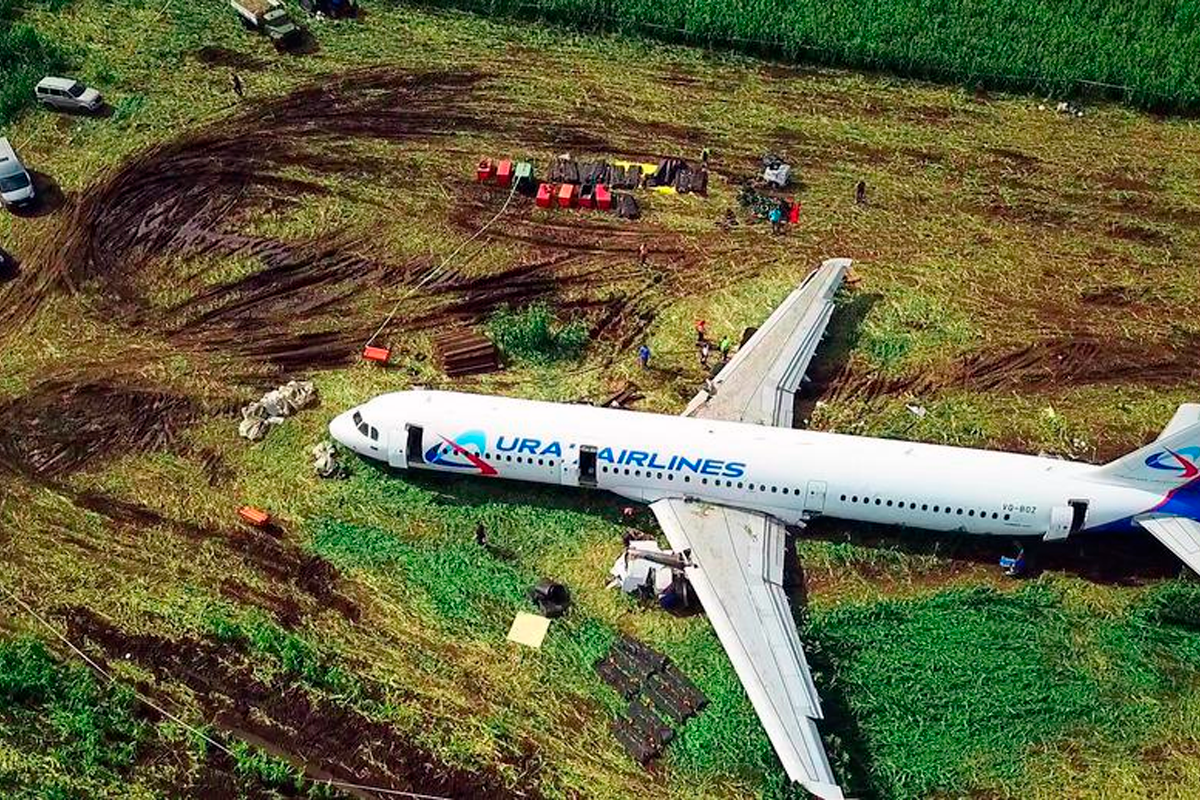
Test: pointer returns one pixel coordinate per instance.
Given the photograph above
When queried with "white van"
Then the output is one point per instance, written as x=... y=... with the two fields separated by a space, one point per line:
x=16 y=187
x=67 y=94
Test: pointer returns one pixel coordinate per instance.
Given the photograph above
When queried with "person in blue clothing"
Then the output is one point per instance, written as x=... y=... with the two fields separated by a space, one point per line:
x=776 y=218
x=644 y=356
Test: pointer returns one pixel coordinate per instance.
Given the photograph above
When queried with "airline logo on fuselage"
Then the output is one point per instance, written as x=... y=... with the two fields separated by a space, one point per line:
x=466 y=452
x=1182 y=461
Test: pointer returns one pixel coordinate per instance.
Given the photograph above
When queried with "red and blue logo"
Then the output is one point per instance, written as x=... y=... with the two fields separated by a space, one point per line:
x=1182 y=461
x=465 y=452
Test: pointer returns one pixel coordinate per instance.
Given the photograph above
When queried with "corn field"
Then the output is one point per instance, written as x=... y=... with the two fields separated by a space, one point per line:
x=1144 y=52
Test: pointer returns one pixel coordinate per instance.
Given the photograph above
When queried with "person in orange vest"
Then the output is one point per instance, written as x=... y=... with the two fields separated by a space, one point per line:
x=701 y=331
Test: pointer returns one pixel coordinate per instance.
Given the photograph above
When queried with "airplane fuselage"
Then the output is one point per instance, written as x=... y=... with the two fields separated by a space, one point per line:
x=791 y=474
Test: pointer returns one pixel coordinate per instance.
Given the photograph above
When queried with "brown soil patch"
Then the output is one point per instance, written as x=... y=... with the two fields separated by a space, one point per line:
x=1137 y=233
x=328 y=739
x=61 y=427
x=1041 y=366
x=223 y=57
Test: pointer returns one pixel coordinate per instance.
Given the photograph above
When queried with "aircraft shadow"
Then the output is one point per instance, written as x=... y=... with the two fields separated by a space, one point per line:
x=1110 y=559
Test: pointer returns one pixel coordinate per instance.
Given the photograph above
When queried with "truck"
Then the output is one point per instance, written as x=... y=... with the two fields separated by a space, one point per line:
x=270 y=18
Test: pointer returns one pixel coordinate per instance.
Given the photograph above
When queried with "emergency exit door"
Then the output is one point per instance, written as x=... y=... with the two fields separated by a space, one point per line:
x=587 y=465
x=814 y=498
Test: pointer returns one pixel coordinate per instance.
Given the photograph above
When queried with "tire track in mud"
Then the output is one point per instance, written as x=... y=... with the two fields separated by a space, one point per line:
x=329 y=739
x=1042 y=366
x=307 y=303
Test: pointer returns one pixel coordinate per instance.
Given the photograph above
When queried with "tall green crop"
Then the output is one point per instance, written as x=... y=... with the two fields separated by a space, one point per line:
x=1145 y=52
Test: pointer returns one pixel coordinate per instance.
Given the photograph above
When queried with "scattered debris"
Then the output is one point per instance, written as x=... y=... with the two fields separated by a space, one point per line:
x=649 y=572
x=466 y=352
x=917 y=411
x=260 y=416
x=325 y=461
x=624 y=397
x=552 y=598
x=1070 y=109
x=333 y=9
x=529 y=629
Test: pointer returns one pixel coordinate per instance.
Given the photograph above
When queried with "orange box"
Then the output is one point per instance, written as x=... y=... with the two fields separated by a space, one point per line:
x=254 y=516
x=380 y=354
x=566 y=195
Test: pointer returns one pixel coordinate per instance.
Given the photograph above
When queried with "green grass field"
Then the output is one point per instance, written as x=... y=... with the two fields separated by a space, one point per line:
x=1022 y=276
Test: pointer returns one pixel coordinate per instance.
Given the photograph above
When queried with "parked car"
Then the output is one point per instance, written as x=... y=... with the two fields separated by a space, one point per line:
x=269 y=17
x=67 y=94
x=16 y=187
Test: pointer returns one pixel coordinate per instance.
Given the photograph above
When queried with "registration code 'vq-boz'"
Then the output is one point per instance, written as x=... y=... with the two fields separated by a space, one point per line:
x=1019 y=509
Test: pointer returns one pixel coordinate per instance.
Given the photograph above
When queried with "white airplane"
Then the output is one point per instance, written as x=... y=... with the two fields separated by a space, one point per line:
x=725 y=478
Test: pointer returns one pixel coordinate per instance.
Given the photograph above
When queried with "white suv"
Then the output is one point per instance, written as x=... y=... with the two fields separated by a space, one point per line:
x=16 y=187
x=67 y=94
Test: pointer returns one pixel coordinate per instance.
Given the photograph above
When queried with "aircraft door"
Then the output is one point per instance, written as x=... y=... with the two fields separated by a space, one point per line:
x=587 y=465
x=814 y=498
x=1060 y=523
x=414 y=444
x=397 y=442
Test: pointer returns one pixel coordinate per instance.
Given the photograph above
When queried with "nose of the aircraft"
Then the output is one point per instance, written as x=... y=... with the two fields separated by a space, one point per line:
x=342 y=429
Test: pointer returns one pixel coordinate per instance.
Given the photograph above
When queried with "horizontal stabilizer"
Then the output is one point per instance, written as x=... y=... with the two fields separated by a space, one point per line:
x=1180 y=534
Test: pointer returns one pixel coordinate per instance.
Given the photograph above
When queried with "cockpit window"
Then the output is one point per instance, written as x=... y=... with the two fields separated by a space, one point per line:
x=357 y=418
x=374 y=433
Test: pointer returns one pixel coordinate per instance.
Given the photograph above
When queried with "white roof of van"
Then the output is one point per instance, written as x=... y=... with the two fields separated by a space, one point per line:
x=6 y=150
x=52 y=82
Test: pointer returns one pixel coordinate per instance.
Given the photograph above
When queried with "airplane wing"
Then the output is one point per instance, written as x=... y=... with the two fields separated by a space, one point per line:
x=759 y=383
x=1180 y=534
x=735 y=567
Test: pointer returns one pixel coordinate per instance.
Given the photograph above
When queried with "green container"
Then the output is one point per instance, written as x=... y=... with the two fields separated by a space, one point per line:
x=523 y=172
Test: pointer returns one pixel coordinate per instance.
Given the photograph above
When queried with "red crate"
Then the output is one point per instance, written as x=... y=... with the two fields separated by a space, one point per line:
x=504 y=172
x=485 y=170
x=254 y=516
x=566 y=195
x=587 y=197
x=603 y=197
x=380 y=354
x=545 y=195
x=794 y=212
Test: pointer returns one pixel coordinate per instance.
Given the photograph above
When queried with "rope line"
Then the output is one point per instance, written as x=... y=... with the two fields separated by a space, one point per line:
x=441 y=267
x=190 y=728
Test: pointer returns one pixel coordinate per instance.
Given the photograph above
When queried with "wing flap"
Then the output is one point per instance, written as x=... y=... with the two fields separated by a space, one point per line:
x=736 y=570
x=1180 y=535
x=759 y=383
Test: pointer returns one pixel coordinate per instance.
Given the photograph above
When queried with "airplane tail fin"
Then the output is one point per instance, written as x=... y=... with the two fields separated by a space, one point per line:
x=1172 y=459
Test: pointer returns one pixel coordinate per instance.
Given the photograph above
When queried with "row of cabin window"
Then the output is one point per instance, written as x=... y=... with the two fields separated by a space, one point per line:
x=541 y=462
x=925 y=507
x=762 y=487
